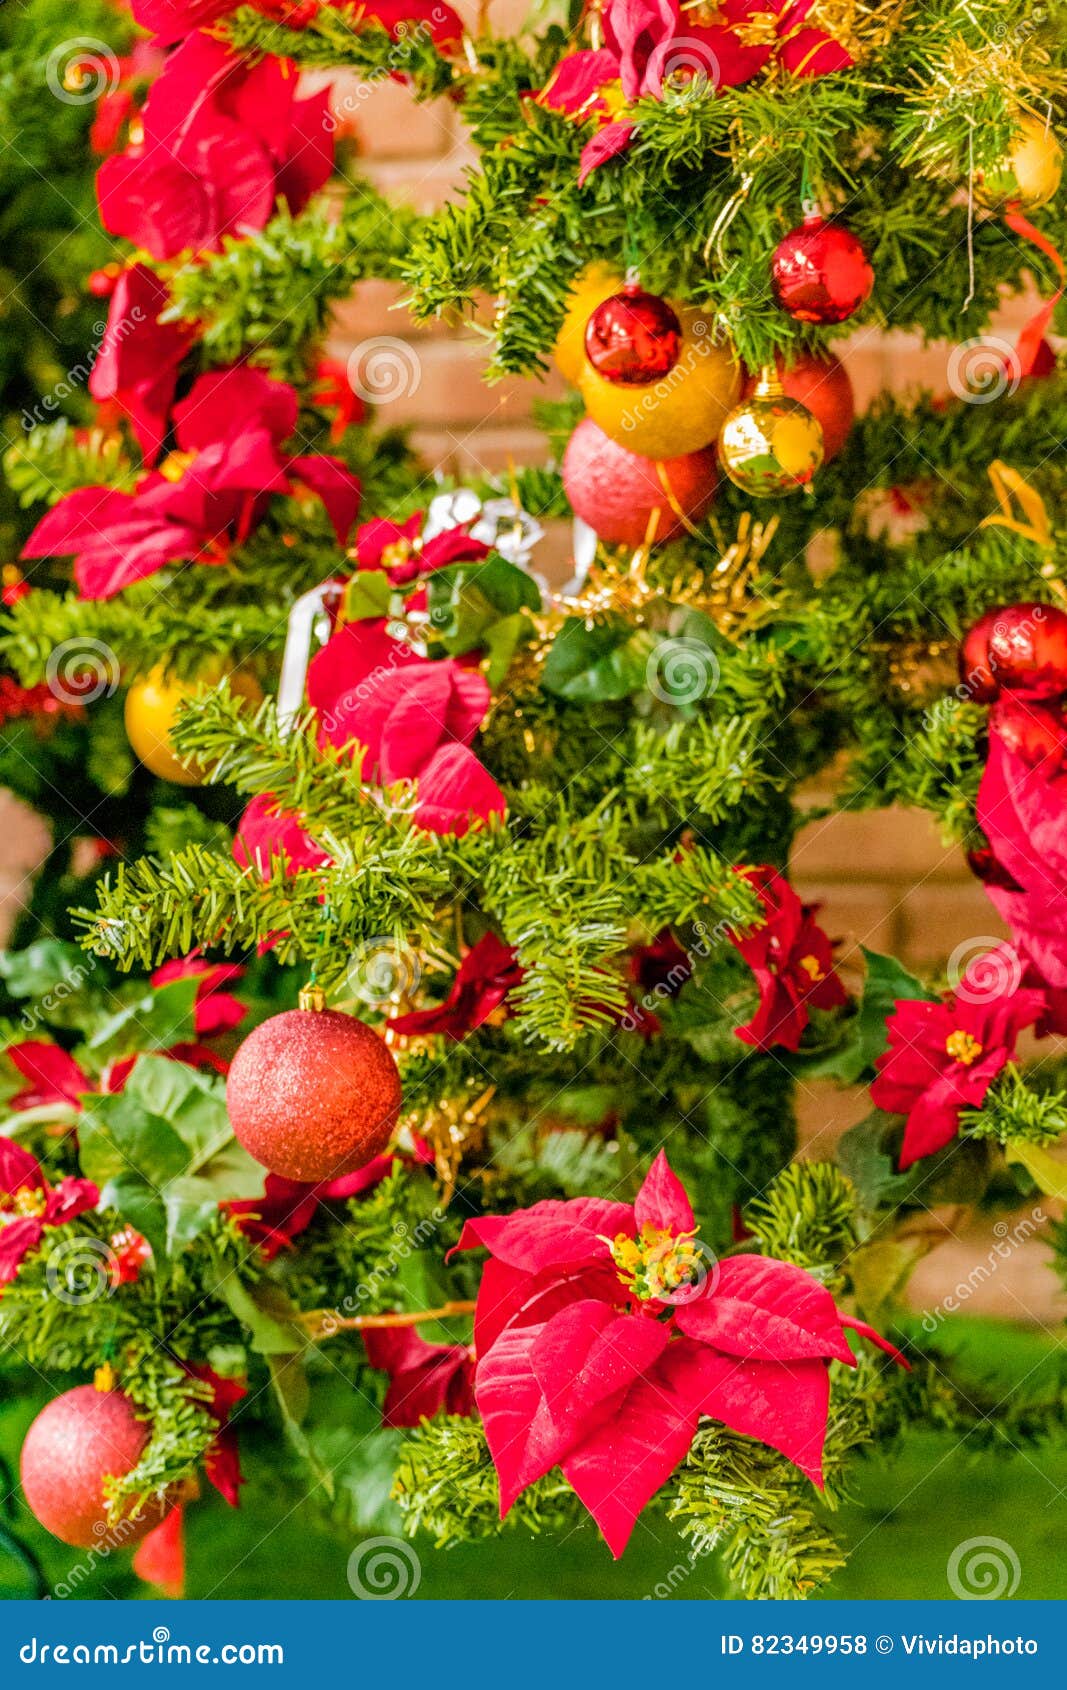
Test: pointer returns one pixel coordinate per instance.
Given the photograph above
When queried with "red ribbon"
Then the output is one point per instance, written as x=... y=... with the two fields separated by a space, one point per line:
x=1032 y=335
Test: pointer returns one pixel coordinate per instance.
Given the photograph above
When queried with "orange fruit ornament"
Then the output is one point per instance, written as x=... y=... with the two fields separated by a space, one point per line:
x=151 y=706
x=595 y=284
x=681 y=413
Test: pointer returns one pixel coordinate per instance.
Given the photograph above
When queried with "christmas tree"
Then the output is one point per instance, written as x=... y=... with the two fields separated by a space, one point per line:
x=452 y=1131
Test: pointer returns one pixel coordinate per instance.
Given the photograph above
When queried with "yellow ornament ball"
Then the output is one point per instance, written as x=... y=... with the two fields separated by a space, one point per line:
x=681 y=413
x=595 y=284
x=151 y=706
x=771 y=444
x=1028 y=175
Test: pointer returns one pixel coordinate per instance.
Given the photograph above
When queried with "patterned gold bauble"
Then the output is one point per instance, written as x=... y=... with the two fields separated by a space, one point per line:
x=770 y=444
x=1028 y=175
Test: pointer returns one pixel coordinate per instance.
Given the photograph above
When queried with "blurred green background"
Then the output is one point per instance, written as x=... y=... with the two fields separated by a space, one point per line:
x=910 y=1509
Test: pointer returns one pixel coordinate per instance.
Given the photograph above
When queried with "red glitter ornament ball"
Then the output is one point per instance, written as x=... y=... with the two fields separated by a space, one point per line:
x=823 y=387
x=78 y=1440
x=820 y=272
x=633 y=337
x=1033 y=731
x=313 y=1094
x=617 y=492
x=1028 y=649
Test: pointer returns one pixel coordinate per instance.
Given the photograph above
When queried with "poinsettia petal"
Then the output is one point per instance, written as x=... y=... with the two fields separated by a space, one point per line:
x=54 y=1075
x=552 y=1233
x=19 y=1170
x=589 y=1353
x=335 y=485
x=609 y=142
x=455 y=792
x=160 y=1557
x=783 y=1404
x=769 y=1310
x=873 y=1337
x=662 y=1200
x=522 y=1439
x=17 y=1239
x=623 y=1463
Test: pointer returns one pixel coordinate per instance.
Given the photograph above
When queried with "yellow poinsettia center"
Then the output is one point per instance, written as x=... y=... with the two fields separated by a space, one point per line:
x=175 y=464
x=963 y=1047
x=656 y=1262
x=811 y=968
x=15 y=1205
x=396 y=553
x=613 y=97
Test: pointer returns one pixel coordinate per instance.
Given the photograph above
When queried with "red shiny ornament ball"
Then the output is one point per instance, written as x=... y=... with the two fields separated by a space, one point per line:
x=1028 y=649
x=976 y=671
x=313 y=1094
x=1037 y=733
x=823 y=387
x=616 y=491
x=633 y=338
x=820 y=272
x=78 y=1440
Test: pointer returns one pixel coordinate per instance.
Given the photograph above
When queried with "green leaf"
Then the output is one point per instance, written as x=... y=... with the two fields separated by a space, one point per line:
x=593 y=665
x=1048 y=1173
x=866 y=1036
x=162 y=1017
x=163 y=1152
x=41 y=967
x=290 y=1387
x=367 y=595
x=266 y=1311
x=468 y=602
x=862 y=1155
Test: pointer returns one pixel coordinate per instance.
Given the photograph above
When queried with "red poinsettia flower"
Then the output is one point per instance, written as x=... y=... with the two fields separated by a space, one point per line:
x=423 y=1378
x=206 y=498
x=224 y=137
x=136 y=367
x=170 y=20
x=488 y=972
x=29 y=1205
x=215 y=1010
x=53 y=1075
x=288 y=1206
x=159 y=1558
x=137 y=70
x=1023 y=813
x=792 y=961
x=414 y=719
x=398 y=548
x=222 y=1460
x=943 y=1057
x=266 y=834
x=603 y=1334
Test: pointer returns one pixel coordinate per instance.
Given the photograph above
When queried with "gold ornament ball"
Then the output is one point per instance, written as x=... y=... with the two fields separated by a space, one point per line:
x=681 y=413
x=151 y=706
x=770 y=444
x=1028 y=175
x=595 y=284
